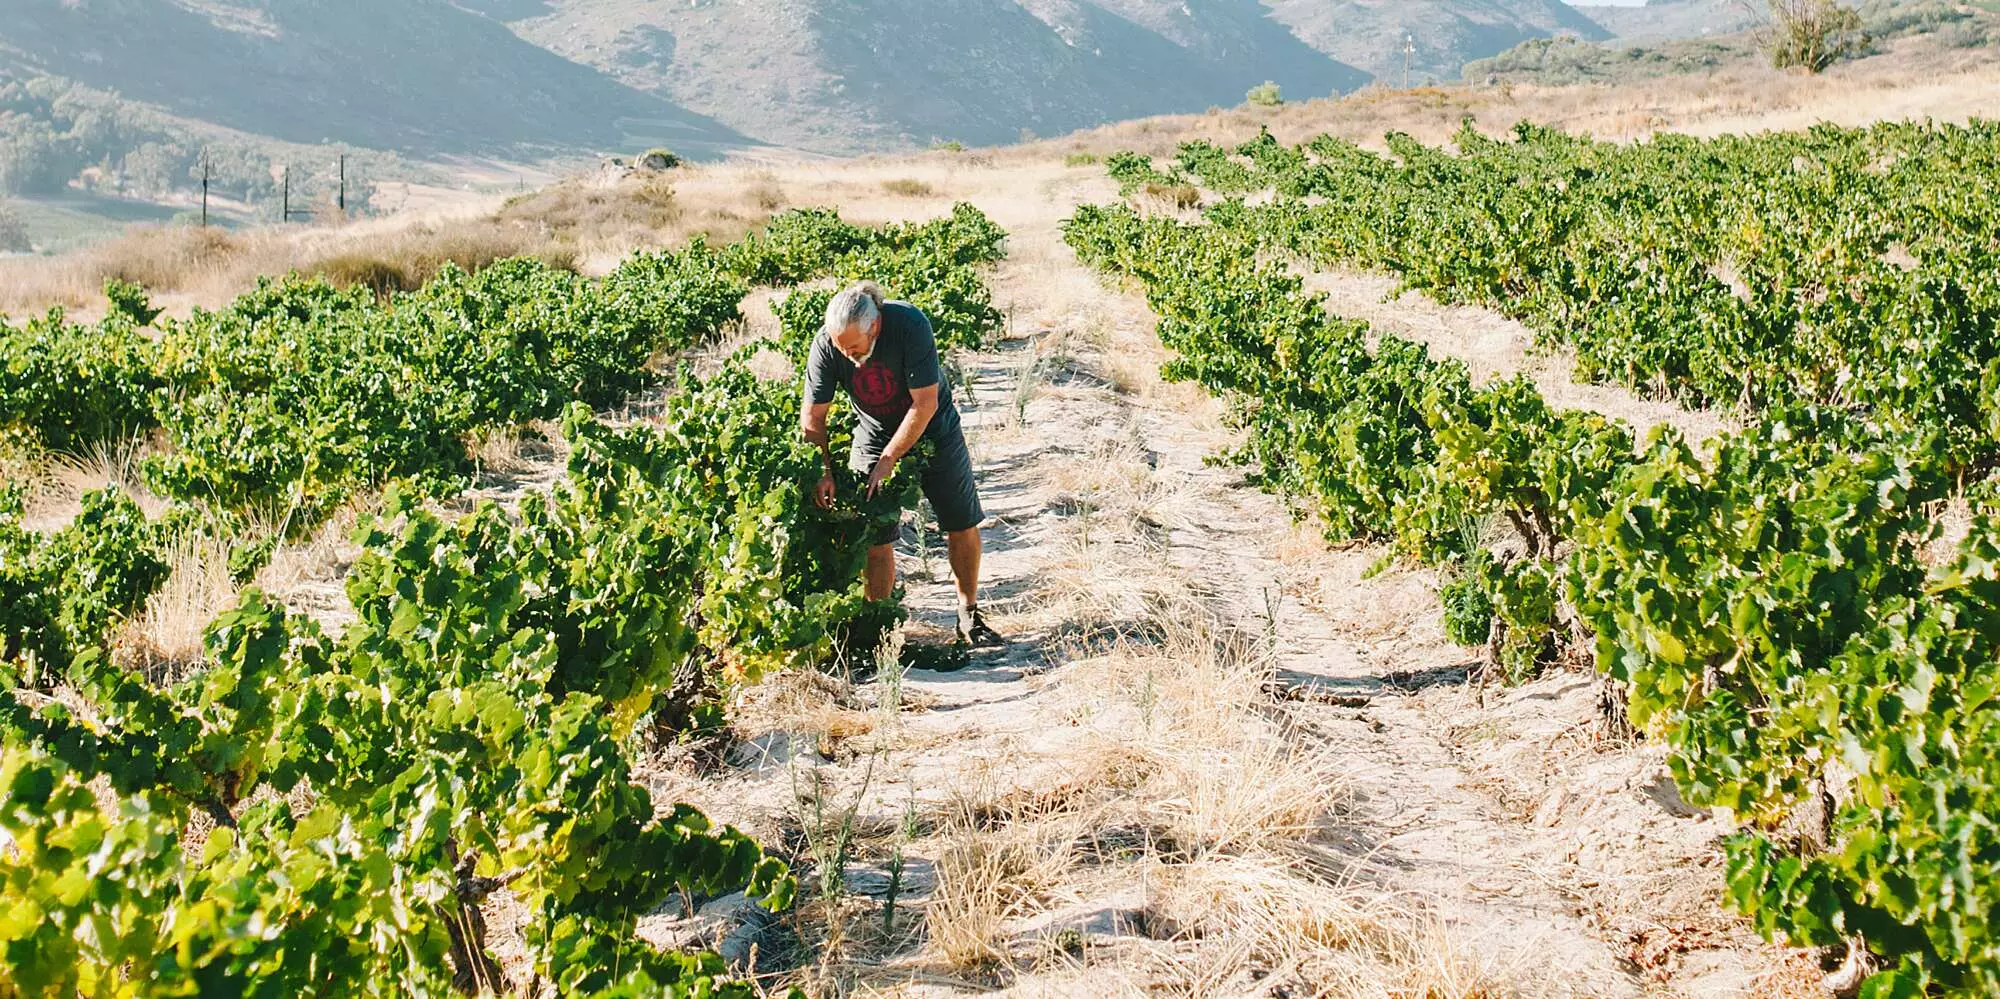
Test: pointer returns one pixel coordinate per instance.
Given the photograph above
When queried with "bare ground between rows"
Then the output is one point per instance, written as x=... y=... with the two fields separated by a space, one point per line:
x=1491 y=823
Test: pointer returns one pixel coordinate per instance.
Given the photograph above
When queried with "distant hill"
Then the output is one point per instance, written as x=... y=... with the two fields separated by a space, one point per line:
x=425 y=77
x=850 y=75
x=1669 y=20
x=1446 y=34
x=528 y=79
x=1674 y=37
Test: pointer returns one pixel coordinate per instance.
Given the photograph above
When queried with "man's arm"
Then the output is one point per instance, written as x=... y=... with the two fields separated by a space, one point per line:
x=812 y=423
x=923 y=406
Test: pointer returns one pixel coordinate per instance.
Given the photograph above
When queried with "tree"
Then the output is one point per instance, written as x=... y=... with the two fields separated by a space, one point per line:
x=13 y=231
x=1812 y=34
x=1265 y=95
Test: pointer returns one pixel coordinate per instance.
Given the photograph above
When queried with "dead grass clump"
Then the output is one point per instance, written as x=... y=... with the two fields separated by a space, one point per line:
x=578 y=209
x=1180 y=197
x=767 y=195
x=801 y=703
x=63 y=478
x=996 y=869
x=165 y=640
x=311 y=573
x=405 y=261
x=908 y=187
x=162 y=258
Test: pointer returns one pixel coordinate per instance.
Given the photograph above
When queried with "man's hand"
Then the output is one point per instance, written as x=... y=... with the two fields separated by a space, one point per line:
x=823 y=494
x=885 y=466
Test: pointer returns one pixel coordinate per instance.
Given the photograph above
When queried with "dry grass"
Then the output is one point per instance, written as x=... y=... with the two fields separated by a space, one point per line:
x=1197 y=812
x=822 y=710
x=61 y=479
x=406 y=260
x=908 y=187
x=585 y=223
x=164 y=640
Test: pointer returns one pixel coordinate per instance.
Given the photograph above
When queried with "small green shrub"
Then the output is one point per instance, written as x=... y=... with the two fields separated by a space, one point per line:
x=1082 y=160
x=1813 y=34
x=948 y=146
x=908 y=187
x=130 y=301
x=1265 y=95
x=1468 y=610
x=659 y=158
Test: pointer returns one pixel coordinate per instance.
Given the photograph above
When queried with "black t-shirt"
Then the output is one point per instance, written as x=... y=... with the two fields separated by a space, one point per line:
x=905 y=357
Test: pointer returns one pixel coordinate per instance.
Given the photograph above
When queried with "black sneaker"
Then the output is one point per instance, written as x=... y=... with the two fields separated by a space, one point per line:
x=973 y=631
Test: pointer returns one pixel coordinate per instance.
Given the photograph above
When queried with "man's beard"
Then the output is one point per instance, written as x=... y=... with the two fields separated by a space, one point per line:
x=862 y=361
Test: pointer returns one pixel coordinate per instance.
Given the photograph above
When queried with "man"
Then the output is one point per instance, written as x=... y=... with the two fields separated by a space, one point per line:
x=885 y=355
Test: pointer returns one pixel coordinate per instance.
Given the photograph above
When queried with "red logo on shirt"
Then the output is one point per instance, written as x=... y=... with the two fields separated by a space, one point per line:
x=878 y=391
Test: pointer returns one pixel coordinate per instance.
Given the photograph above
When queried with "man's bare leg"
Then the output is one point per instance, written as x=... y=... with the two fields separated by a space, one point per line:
x=880 y=576
x=965 y=548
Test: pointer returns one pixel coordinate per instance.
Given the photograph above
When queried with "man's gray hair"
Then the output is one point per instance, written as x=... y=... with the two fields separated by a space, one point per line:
x=857 y=305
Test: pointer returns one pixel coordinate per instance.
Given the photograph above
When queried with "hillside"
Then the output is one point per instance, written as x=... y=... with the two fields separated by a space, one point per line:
x=1664 y=20
x=1668 y=39
x=854 y=75
x=1446 y=34
x=423 y=77
x=527 y=79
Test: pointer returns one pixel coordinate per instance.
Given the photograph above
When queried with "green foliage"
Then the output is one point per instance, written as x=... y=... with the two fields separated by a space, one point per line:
x=466 y=731
x=1813 y=34
x=1840 y=267
x=1468 y=610
x=1264 y=95
x=801 y=314
x=1134 y=171
x=1772 y=605
x=299 y=394
x=67 y=386
x=61 y=593
x=472 y=727
x=129 y=301
x=57 y=136
x=934 y=265
x=1216 y=169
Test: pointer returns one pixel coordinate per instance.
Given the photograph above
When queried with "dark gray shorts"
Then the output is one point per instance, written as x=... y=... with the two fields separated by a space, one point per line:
x=947 y=483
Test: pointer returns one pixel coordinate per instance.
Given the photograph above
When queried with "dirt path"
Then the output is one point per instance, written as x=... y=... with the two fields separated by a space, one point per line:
x=1213 y=738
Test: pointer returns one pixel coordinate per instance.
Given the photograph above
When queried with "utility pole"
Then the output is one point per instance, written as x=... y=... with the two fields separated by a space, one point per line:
x=288 y=213
x=343 y=187
x=204 y=187
x=1409 y=49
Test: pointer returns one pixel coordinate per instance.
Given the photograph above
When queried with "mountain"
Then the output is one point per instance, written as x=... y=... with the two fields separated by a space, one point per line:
x=1446 y=34
x=425 y=77
x=433 y=79
x=1667 y=20
x=852 y=75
